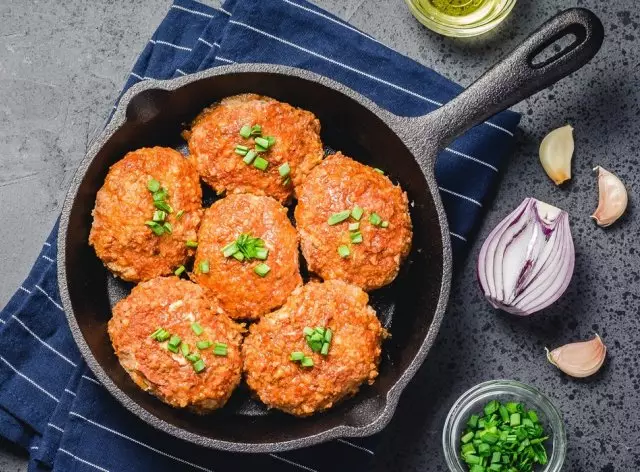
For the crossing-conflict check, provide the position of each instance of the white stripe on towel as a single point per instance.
(166, 43)
(51, 299)
(47, 258)
(475, 159)
(43, 341)
(456, 235)
(29, 380)
(195, 12)
(205, 42)
(83, 460)
(140, 443)
(283, 459)
(224, 59)
(459, 195)
(344, 441)
(58, 428)
(86, 377)
(24, 289)
(326, 17)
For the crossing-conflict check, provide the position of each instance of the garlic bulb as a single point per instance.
(613, 199)
(556, 152)
(579, 359)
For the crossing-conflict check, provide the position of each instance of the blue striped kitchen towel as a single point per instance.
(51, 404)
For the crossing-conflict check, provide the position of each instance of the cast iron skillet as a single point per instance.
(153, 113)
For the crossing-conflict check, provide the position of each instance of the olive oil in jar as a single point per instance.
(460, 17)
(458, 7)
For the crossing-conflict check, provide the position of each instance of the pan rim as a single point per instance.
(392, 396)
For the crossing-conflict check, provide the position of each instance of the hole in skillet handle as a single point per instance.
(147, 105)
(558, 46)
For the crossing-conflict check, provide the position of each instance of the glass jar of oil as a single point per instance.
(461, 18)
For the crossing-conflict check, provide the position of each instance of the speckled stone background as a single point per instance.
(63, 62)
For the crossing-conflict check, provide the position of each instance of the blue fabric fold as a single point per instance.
(51, 404)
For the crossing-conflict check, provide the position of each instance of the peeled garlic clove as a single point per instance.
(612, 200)
(556, 152)
(579, 359)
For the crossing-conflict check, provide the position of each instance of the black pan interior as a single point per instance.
(157, 117)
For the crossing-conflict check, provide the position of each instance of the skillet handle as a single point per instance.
(517, 77)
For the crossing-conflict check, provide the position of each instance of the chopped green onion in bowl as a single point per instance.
(504, 425)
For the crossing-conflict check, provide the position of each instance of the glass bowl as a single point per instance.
(473, 400)
(487, 17)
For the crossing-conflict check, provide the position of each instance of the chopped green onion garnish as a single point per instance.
(344, 251)
(325, 349)
(191, 243)
(262, 269)
(179, 214)
(467, 437)
(306, 362)
(259, 148)
(384, 224)
(256, 130)
(375, 219)
(328, 335)
(286, 181)
(159, 216)
(271, 140)
(184, 347)
(316, 337)
(204, 267)
(354, 226)
(249, 157)
(220, 349)
(262, 142)
(155, 227)
(379, 171)
(262, 253)
(174, 341)
(167, 227)
(163, 336)
(308, 331)
(172, 348)
(284, 169)
(153, 185)
(193, 357)
(199, 365)
(162, 205)
(490, 408)
(245, 131)
(197, 328)
(179, 270)
(230, 249)
(356, 213)
(203, 344)
(242, 150)
(296, 356)
(238, 256)
(156, 332)
(260, 163)
(356, 238)
(338, 217)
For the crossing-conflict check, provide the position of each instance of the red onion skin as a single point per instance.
(546, 275)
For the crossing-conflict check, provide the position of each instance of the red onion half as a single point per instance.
(527, 261)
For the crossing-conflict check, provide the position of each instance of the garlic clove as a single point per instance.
(579, 359)
(612, 200)
(556, 152)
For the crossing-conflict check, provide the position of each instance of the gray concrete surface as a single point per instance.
(63, 62)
